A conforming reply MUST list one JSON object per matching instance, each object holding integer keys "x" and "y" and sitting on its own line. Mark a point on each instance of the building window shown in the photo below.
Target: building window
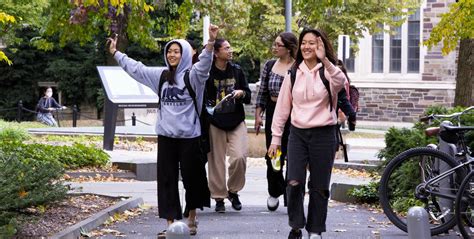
{"x": 413, "y": 64}
{"x": 396, "y": 50}
{"x": 349, "y": 62}
{"x": 377, "y": 53}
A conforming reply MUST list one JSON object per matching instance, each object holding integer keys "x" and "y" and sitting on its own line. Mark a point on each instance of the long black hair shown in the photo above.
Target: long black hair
{"x": 171, "y": 73}
{"x": 327, "y": 46}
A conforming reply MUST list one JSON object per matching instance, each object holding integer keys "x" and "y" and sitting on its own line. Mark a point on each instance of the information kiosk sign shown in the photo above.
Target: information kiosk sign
{"x": 122, "y": 91}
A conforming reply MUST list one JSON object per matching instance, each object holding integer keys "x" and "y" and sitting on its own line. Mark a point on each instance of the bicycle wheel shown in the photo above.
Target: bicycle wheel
{"x": 402, "y": 186}
{"x": 465, "y": 207}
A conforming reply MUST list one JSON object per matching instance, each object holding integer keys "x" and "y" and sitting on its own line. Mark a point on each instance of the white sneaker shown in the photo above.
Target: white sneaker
{"x": 272, "y": 203}
{"x": 315, "y": 236}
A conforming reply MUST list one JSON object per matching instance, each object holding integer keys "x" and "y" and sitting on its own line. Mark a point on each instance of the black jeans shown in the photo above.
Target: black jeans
{"x": 276, "y": 181}
{"x": 315, "y": 147}
{"x": 174, "y": 155}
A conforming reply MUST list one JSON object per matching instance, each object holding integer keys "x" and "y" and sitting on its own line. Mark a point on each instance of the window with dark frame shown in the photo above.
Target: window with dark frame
{"x": 377, "y": 52}
{"x": 413, "y": 61}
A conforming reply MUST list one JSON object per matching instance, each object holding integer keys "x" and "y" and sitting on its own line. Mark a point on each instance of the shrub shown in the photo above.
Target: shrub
{"x": 26, "y": 182}
{"x": 14, "y": 134}
{"x": 366, "y": 193}
{"x": 70, "y": 157}
{"x": 399, "y": 140}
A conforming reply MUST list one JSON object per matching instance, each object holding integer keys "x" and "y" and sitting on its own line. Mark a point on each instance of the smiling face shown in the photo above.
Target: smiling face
{"x": 173, "y": 55}
{"x": 224, "y": 52}
{"x": 308, "y": 46}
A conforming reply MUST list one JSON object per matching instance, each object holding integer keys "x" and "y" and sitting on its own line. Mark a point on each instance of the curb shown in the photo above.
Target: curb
{"x": 124, "y": 175}
{"x": 339, "y": 192}
{"x": 355, "y": 166}
{"x": 97, "y": 219}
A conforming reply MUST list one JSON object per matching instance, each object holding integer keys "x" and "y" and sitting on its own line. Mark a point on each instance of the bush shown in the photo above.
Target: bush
{"x": 366, "y": 193}
{"x": 399, "y": 140}
{"x": 14, "y": 134}
{"x": 26, "y": 182}
{"x": 70, "y": 157}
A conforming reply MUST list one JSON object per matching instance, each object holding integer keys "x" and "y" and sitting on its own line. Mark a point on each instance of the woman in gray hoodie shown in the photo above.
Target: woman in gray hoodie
{"x": 178, "y": 125}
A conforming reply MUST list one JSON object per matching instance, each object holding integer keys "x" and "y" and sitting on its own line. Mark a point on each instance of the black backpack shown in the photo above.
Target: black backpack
{"x": 325, "y": 81}
{"x": 205, "y": 145}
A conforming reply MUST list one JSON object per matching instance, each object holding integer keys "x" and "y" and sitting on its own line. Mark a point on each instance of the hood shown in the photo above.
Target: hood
{"x": 186, "y": 55}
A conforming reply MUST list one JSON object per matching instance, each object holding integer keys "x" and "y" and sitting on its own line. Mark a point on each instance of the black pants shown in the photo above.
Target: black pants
{"x": 276, "y": 181}
{"x": 174, "y": 155}
{"x": 315, "y": 147}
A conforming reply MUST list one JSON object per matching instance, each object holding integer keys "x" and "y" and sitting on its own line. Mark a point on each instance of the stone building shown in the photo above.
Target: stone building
{"x": 398, "y": 77}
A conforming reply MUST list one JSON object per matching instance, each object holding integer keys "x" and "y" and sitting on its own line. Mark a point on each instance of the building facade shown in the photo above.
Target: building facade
{"x": 398, "y": 77}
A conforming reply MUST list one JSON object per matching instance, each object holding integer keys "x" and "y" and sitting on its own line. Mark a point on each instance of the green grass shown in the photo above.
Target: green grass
{"x": 22, "y": 125}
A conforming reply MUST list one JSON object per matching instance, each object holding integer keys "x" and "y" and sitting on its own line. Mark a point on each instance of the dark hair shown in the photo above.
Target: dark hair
{"x": 195, "y": 46}
{"x": 327, "y": 46}
{"x": 290, "y": 42}
{"x": 170, "y": 75}
{"x": 341, "y": 66}
{"x": 217, "y": 45}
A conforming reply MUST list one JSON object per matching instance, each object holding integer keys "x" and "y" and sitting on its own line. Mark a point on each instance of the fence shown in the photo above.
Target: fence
{"x": 20, "y": 110}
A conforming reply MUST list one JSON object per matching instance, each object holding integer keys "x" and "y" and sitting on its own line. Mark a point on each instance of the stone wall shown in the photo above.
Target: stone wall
{"x": 399, "y": 105}
{"x": 436, "y": 66}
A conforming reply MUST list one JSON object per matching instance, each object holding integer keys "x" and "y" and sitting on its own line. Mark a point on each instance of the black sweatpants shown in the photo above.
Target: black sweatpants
{"x": 180, "y": 154}
{"x": 315, "y": 147}
{"x": 276, "y": 181}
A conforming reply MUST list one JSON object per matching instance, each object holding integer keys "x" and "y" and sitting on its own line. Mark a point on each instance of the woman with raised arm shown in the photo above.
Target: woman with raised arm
{"x": 310, "y": 98}
{"x": 178, "y": 125}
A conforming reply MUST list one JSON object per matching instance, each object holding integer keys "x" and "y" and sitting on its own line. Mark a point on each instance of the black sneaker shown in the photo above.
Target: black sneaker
{"x": 220, "y": 207}
{"x": 295, "y": 234}
{"x": 234, "y": 199}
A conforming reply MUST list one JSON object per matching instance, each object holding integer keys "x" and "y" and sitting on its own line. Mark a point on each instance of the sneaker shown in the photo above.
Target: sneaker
{"x": 220, "y": 207}
{"x": 295, "y": 234}
{"x": 272, "y": 203}
{"x": 313, "y": 235}
{"x": 234, "y": 199}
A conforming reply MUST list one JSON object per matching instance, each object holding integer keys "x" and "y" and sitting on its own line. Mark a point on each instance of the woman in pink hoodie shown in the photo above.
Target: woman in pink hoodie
{"x": 310, "y": 105}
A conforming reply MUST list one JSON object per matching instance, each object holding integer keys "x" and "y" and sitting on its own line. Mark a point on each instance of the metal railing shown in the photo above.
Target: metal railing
{"x": 20, "y": 110}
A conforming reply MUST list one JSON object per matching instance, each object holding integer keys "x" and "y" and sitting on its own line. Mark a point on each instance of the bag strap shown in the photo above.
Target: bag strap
{"x": 160, "y": 86}
{"x": 192, "y": 93}
{"x": 270, "y": 65}
{"x": 325, "y": 81}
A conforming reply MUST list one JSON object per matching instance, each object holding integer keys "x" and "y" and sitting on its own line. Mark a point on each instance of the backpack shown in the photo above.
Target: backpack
{"x": 325, "y": 81}
{"x": 204, "y": 143}
{"x": 354, "y": 97}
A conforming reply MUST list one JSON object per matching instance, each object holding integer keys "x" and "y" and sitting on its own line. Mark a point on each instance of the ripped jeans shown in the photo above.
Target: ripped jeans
{"x": 315, "y": 148}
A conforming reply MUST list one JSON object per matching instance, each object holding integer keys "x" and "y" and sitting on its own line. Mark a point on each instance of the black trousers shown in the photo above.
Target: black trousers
{"x": 174, "y": 155}
{"x": 316, "y": 148}
{"x": 276, "y": 181}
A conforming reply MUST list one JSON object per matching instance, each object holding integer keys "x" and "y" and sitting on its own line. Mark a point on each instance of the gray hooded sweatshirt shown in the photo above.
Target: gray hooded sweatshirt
{"x": 177, "y": 117}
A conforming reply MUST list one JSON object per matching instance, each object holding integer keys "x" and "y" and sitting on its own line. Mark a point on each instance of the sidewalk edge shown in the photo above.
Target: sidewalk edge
{"x": 97, "y": 219}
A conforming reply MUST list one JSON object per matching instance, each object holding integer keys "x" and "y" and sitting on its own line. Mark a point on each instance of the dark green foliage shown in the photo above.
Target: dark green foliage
{"x": 399, "y": 140}
{"x": 70, "y": 157}
{"x": 26, "y": 182}
{"x": 366, "y": 193}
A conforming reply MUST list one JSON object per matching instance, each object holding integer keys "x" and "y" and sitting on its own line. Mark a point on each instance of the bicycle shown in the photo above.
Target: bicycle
{"x": 436, "y": 178}
{"x": 464, "y": 209}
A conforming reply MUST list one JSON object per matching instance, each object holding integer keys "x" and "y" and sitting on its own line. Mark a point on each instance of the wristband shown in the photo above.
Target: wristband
{"x": 114, "y": 53}
{"x": 211, "y": 42}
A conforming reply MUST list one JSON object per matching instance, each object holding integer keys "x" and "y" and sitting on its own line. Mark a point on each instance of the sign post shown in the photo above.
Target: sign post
{"x": 122, "y": 91}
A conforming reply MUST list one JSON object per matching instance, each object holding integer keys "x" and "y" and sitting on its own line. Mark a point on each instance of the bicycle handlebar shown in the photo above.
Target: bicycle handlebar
{"x": 451, "y": 116}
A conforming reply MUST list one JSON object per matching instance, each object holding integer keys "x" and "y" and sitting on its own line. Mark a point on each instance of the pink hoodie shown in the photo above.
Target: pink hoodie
{"x": 308, "y": 102}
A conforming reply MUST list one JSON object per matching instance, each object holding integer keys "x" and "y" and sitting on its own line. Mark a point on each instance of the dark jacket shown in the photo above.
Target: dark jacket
{"x": 344, "y": 104}
{"x": 220, "y": 84}
{"x": 45, "y": 103}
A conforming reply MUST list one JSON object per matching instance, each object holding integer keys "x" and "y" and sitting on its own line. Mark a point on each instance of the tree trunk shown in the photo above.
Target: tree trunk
{"x": 465, "y": 76}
